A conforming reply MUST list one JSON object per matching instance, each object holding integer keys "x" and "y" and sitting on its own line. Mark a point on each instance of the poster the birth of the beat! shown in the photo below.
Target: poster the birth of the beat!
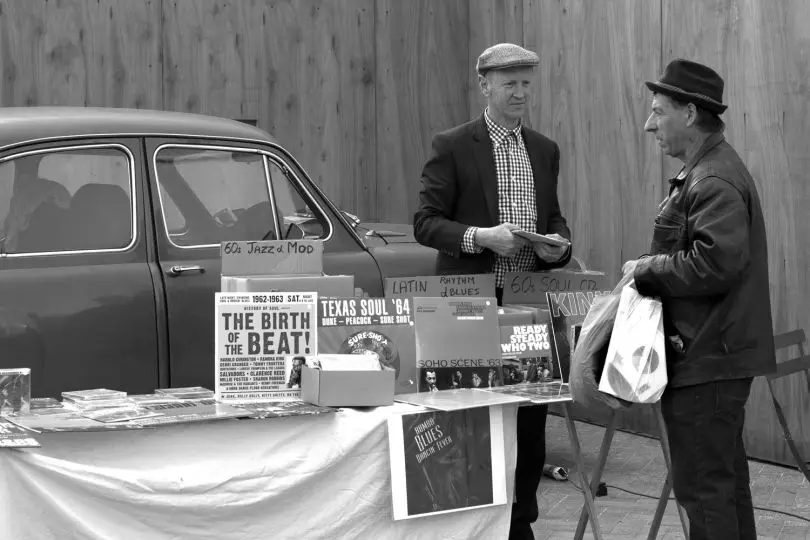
{"x": 262, "y": 341}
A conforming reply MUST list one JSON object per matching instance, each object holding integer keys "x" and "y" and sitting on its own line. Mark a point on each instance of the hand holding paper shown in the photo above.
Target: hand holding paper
{"x": 501, "y": 239}
{"x": 549, "y": 247}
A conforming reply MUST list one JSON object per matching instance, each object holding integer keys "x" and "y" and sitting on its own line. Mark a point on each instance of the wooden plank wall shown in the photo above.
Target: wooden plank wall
{"x": 421, "y": 75}
{"x": 357, "y": 88}
{"x": 74, "y": 52}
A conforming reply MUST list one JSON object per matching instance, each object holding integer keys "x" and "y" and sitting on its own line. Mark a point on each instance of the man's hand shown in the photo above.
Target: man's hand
{"x": 629, "y": 267}
{"x": 500, "y": 239}
{"x": 549, "y": 253}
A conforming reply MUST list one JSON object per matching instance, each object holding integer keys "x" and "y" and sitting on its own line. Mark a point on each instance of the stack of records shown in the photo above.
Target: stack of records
{"x": 105, "y": 405}
{"x": 98, "y": 398}
{"x": 190, "y": 392}
{"x": 150, "y": 399}
{"x": 45, "y": 403}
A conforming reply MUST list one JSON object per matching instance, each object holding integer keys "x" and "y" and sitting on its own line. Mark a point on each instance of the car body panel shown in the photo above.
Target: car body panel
{"x": 81, "y": 319}
{"x": 24, "y": 125}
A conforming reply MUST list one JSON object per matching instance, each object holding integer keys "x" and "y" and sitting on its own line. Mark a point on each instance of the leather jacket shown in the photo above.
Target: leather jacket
{"x": 708, "y": 264}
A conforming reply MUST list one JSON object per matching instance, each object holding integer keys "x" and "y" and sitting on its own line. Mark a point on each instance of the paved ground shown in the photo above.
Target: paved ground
{"x": 637, "y": 464}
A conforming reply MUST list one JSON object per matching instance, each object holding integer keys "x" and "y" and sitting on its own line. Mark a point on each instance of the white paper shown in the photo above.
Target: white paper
{"x": 542, "y": 238}
{"x": 463, "y": 398}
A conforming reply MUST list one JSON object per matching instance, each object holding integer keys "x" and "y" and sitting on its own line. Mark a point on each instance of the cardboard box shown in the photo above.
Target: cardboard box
{"x": 347, "y": 388}
{"x": 540, "y": 313}
{"x": 512, "y": 316}
{"x": 272, "y": 257}
{"x": 530, "y": 288}
{"x": 456, "y": 285}
{"x": 339, "y": 286}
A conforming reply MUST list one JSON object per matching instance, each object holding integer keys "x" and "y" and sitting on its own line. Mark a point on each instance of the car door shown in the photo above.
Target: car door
{"x": 77, "y": 302}
{"x": 205, "y": 192}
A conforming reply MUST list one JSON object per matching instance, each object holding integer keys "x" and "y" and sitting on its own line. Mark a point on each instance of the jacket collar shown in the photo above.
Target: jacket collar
{"x": 713, "y": 140}
{"x": 486, "y": 166}
{"x": 480, "y": 131}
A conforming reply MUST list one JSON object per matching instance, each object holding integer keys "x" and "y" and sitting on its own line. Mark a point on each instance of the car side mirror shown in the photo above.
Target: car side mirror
{"x": 354, "y": 220}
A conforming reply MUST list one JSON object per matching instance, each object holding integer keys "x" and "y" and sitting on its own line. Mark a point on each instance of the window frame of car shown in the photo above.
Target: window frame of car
{"x": 130, "y": 148}
{"x": 269, "y": 153}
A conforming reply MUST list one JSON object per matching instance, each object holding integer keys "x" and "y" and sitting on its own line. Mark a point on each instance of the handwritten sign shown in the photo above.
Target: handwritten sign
{"x": 531, "y": 287}
{"x": 473, "y": 285}
{"x": 272, "y": 257}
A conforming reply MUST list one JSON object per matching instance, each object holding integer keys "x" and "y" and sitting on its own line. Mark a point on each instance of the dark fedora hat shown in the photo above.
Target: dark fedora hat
{"x": 689, "y": 81}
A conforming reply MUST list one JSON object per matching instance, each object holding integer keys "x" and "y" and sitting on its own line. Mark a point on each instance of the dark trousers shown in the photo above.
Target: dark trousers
{"x": 531, "y": 456}
{"x": 709, "y": 465}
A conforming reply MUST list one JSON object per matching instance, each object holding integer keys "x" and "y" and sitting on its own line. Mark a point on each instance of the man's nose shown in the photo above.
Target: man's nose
{"x": 650, "y": 125}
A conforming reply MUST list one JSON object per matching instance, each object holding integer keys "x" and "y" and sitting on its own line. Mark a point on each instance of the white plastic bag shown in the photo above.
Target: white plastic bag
{"x": 635, "y": 367}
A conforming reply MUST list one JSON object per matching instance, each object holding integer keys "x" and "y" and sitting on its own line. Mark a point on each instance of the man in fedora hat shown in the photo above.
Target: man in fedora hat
{"x": 482, "y": 181}
{"x": 708, "y": 264}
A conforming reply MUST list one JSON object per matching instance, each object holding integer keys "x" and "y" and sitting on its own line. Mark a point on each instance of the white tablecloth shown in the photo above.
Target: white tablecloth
{"x": 309, "y": 477}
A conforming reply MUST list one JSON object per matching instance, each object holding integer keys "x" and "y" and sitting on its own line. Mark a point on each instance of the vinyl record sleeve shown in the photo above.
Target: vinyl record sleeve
{"x": 380, "y": 326}
{"x": 446, "y": 461}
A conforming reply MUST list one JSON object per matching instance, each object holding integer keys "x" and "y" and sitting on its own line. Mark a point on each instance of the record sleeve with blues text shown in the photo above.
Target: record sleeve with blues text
{"x": 446, "y": 461}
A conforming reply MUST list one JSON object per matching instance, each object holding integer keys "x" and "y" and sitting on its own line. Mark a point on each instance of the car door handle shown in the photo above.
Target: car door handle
{"x": 178, "y": 270}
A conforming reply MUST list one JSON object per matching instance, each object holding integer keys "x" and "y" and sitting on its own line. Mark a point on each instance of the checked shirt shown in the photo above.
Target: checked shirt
{"x": 516, "y": 197}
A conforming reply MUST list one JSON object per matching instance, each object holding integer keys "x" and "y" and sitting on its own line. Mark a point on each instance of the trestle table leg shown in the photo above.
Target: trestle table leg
{"x": 583, "y": 478}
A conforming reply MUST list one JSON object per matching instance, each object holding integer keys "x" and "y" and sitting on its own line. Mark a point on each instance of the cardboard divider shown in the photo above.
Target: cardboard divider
{"x": 347, "y": 388}
{"x": 338, "y": 286}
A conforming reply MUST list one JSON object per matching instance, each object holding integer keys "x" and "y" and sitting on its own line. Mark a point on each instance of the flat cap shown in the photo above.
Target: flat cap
{"x": 504, "y": 56}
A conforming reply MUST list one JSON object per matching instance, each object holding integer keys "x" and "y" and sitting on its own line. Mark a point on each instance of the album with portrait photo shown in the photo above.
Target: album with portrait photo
{"x": 457, "y": 343}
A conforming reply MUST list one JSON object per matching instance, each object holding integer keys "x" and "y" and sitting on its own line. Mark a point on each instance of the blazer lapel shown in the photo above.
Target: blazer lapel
{"x": 539, "y": 164}
{"x": 482, "y": 149}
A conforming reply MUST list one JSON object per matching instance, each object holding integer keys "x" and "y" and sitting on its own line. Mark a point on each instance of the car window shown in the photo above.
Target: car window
{"x": 68, "y": 200}
{"x": 208, "y": 195}
{"x": 298, "y": 218}
{"x": 175, "y": 222}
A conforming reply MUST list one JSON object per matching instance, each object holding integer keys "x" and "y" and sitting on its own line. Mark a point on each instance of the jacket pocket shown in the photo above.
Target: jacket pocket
{"x": 669, "y": 234}
{"x": 735, "y": 338}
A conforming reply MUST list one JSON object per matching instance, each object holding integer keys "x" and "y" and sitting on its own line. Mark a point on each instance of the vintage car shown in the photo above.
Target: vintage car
{"x": 110, "y": 228}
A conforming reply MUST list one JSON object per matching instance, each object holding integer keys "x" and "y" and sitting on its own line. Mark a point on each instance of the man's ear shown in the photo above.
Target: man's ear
{"x": 483, "y": 84}
{"x": 691, "y": 114}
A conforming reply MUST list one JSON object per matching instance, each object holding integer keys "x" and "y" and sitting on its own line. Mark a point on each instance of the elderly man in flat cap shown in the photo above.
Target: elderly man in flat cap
{"x": 708, "y": 264}
{"x": 483, "y": 180}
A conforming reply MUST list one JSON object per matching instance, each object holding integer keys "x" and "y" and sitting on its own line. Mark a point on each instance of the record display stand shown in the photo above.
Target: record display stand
{"x": 607, "y": 439}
